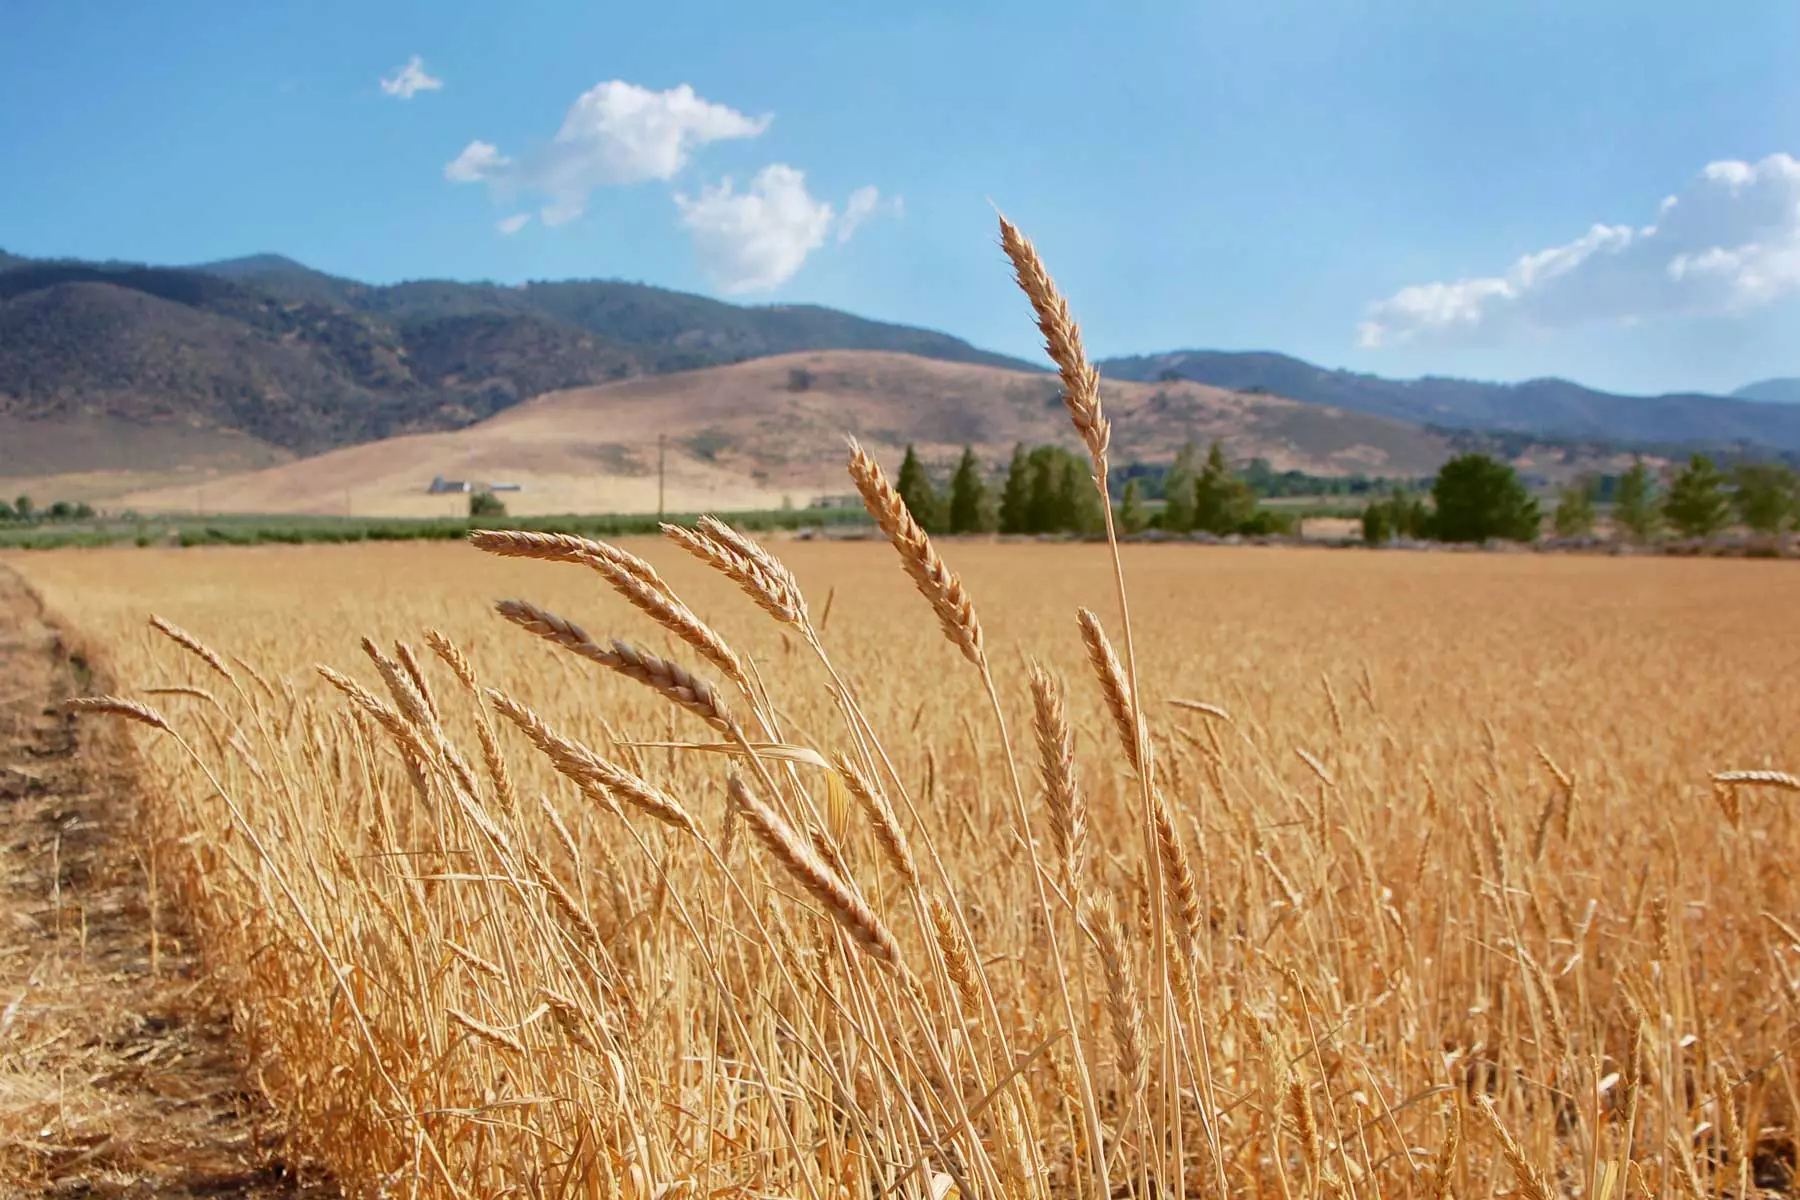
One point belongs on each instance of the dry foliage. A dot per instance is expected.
(756, 909)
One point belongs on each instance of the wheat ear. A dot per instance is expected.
(1531, 1181)
(118, 706)
(564, 547)
(194, 646)
(589, 770)
(1062, 341)
(1115, 687)
(882, 817)
(810, 871)
(1056, 763)
(676, 683)
(935, 581)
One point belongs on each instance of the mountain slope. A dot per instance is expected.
(752, 433)
(184, 349)
(1546, 406)
(1771, 391)
(294, 360)
(707, 331)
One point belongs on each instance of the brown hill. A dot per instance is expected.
(754, 433)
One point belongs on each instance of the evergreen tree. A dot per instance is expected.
(1697, 505)
(1178, 487)
(968, 495)
(1768, 497)
(1575, 509)
(1015, 498)
(1077, 499)
(1634, 511)
(1410, 518)
(1222, 501)
(1131, 517)
(914, 486)
(1479, 498)
(1377, 523)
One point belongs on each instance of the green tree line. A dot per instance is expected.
(1047, 489)
(22, 511)
(1476, 498)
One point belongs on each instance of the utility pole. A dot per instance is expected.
(661, 459)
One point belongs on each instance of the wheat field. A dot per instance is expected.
(490, 979)
(851, 874)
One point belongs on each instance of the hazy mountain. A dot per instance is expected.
(1547, 406)
(1771, 391)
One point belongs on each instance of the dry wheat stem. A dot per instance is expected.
(1781, 780)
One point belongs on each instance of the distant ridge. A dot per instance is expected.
(1540, 406)
(1771, 391)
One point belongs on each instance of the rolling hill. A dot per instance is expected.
(1543, 406)
(755, 433)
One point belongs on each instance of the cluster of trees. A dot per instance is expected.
(23, 511)
(1047, 489)
(1699, 501)
(1264, 481)
(1476, 498)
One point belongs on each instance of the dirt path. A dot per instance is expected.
(116, 1077)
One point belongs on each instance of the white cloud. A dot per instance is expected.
(756, 239)
(865, 202)
(1727, 244)
(410, 80)
(514, 223)
(478, 160)
(614, 134)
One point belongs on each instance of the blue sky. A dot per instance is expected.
(1392, 186)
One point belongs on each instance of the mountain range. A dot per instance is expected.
(251, 363)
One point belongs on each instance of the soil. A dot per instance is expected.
(119, 1075)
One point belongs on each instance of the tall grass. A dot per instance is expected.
(753, 902)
